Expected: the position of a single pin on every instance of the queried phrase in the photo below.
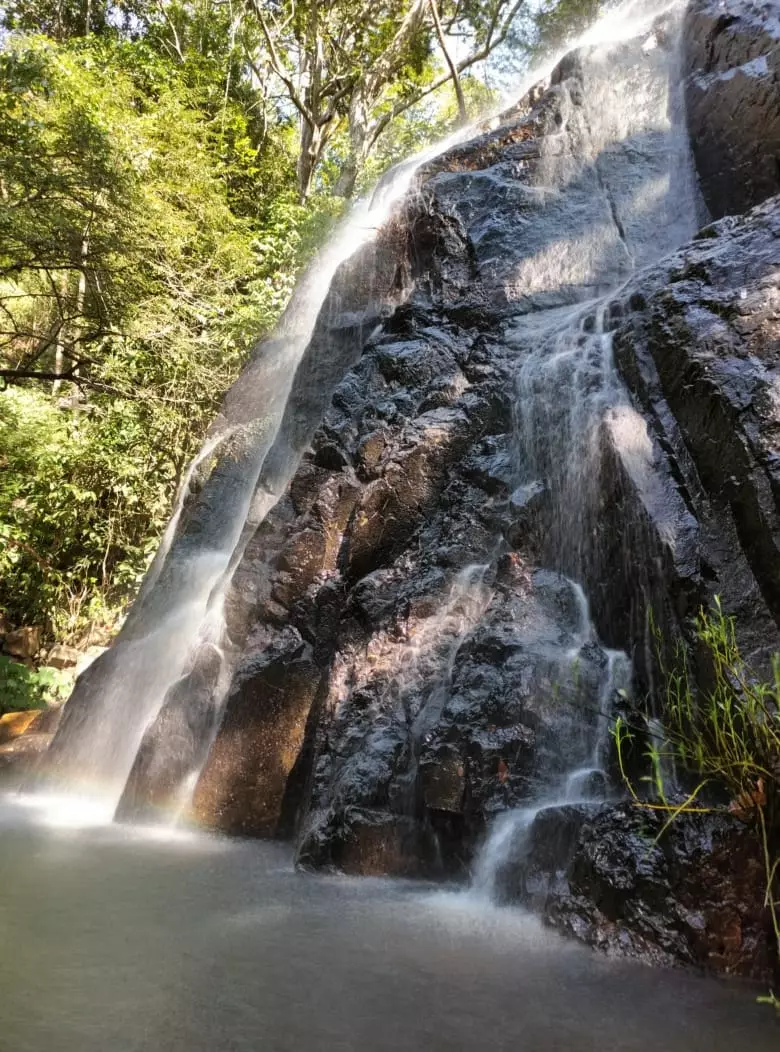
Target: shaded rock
(696, 895)
(702, 360)
(242, 786)
(364, 843)
(732, 50)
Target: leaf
(748, 802)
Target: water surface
(118, 940)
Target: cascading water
(625, 142)
(633, 156)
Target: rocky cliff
(560, 412)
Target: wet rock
(14, 724)
(242, 786)
(732, 50)
(702, 361)
(537, 859)
(694, 894)
(24, 738)
(364, 843)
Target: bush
(23, 688)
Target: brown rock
(14, 724)
(23, 642)
(61, 656)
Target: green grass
(726, 735)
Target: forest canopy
(167, 167)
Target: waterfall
(626, 147)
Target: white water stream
(624, 145)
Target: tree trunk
(314, 138)
(462, 111)
(306, 160)
(360, 143)
(59, 362)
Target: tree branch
(462, 113)
(276, 65)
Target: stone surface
(61, 656)
(13, 724)
(732, 50)
(701, 358)
(24, 737)
(402, 567)
(694, 896)
(23, 643)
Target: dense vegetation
(166, 168)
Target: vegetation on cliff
(723, 739)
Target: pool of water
(117, 939)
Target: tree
(365, 64)
(558, 21)
(130, 284)
(59, 19)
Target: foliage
(727, 736)
(130, 291)
(356, 67)
(22, 688)
(559, 21)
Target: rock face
(693, 895)
(24, 736)
(732, 49)
(23, 643)
(506, 464)
(701, 357)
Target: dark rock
(732, 50)
(241, 788)
(701, 360)
(693, 894)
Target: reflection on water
(113, 941)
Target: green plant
(24, 688)
(726, 735)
